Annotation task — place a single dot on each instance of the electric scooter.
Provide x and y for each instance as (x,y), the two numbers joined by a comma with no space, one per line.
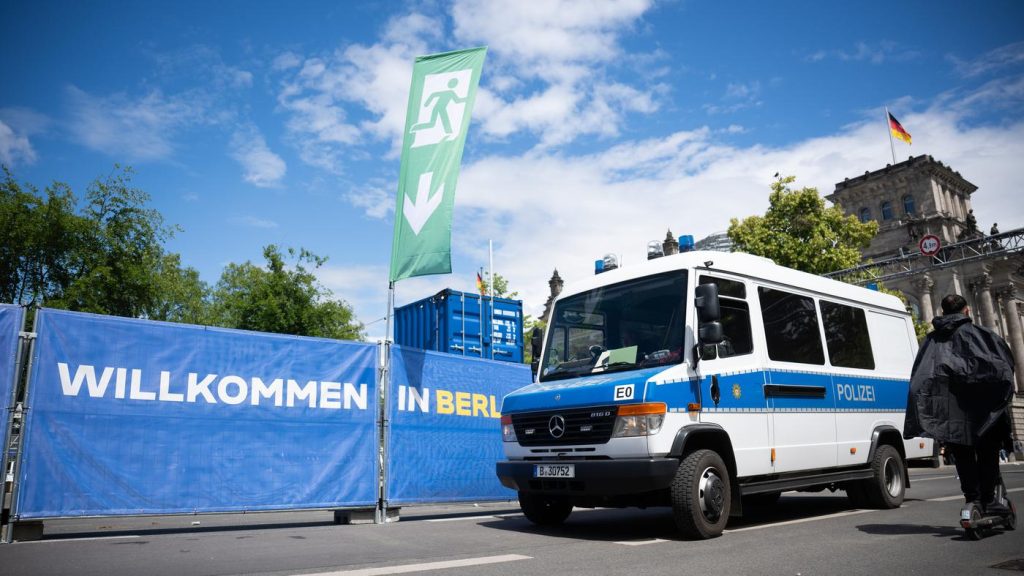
(977,523)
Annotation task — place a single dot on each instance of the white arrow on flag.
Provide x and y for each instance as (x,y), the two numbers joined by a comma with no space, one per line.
(419,211)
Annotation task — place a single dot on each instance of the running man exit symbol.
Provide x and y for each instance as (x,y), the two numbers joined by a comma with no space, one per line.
(442,107)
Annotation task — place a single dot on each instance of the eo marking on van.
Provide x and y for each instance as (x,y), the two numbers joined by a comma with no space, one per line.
(706,379)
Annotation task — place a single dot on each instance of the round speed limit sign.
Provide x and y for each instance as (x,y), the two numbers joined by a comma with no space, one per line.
(929,245)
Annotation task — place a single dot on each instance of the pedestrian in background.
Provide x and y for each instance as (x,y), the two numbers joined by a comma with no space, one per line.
(961,386)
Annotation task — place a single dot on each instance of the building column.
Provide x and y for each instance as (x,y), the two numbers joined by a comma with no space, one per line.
(924,287)
(988,311)
(1015,335)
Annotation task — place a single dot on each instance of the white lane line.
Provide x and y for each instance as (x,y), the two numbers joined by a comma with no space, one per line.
(801,520)
(80,539)
(915,480)
(961,496)
(641,542)
(408,568)
(457,519)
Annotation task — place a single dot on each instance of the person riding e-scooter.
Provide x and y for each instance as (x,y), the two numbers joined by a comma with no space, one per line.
(961,386)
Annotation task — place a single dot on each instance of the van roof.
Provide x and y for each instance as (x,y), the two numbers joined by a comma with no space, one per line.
(739,263)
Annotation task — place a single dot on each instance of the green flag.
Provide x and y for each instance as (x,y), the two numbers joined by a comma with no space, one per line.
(440,101)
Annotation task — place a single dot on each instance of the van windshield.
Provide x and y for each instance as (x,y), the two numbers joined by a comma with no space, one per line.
(626,326)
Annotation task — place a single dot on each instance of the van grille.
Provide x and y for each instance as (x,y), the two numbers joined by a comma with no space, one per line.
(578,426)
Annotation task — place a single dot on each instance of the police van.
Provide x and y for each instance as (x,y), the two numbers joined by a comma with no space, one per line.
(708,380)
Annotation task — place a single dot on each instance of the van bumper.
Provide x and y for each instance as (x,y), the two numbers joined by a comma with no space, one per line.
(592,477)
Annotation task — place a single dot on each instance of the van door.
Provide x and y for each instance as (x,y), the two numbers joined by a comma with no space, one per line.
(735,366)
(798,386)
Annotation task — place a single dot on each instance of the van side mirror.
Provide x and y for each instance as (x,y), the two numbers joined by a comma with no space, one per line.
(536,342)
(710,332)
(706,300)
(709,329)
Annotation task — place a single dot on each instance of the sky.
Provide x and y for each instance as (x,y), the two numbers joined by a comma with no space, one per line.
(598,125)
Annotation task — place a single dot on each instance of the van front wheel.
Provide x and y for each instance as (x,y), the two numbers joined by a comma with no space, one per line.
(544,510)
(701,495)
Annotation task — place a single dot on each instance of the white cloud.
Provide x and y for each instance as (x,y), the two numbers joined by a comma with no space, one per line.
(254,222)
(994,60)
(261,166)
(133,127)
(551,86)
(554,86)
(874,53)
(376,199)
(14,147)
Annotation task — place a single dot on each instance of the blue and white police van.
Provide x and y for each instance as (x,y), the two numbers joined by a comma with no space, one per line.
(708,380)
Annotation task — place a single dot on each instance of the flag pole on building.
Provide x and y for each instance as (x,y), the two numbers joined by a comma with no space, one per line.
(895,129)
(888,129)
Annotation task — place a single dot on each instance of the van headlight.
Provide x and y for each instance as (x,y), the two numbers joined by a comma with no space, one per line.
(508,431)
(639,420)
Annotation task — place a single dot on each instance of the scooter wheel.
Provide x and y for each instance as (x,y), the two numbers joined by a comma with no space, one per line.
(972,533)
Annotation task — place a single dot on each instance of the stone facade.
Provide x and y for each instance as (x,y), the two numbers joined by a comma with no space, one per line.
(923,196)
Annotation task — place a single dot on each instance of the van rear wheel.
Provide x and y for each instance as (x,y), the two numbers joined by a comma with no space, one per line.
(701,495)
(544,509)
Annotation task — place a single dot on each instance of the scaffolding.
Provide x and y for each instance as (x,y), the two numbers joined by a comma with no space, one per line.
(1004,245)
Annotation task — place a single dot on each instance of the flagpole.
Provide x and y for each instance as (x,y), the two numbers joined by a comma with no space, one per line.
(888,130)
(481,301)
(381,513)
(491,326)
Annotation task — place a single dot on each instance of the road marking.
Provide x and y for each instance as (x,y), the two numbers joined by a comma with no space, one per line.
(960,496)
(641,542)
(802,520)
(456,519)
(931,478)
(408,568)
(56,540)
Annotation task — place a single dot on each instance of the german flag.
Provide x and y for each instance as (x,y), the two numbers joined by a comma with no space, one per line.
(480,284)
(897,129)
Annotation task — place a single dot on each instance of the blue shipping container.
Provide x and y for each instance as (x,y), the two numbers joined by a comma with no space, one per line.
(450,321)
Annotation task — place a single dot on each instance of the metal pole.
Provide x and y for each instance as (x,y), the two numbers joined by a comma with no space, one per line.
(462,301)
(490,324)
(380,515)
(888,129)
(9,421)
(31,337)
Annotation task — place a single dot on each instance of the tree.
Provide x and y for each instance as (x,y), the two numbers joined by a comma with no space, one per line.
(108,259)
(282,299)
(798,231)
(529,323)
(500,286)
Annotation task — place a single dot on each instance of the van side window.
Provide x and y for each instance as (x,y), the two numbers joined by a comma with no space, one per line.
(846,335)
(735,316)
(791,327)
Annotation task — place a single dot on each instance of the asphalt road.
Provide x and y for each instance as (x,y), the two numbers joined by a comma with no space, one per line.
(803,534)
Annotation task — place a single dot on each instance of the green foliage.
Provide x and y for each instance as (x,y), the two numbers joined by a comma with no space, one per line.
(529,323)
(108,259)
(500,286)
(798,231)
(282,299)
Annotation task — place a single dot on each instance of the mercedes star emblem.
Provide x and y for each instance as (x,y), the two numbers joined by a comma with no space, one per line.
(556,425)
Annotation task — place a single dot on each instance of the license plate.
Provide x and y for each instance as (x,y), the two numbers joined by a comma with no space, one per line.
(554,471)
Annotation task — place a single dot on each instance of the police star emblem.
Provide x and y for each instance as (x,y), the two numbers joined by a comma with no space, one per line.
(736,391)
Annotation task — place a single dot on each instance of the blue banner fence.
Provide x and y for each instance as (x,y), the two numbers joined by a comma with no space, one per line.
(445,426)
(134,417)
